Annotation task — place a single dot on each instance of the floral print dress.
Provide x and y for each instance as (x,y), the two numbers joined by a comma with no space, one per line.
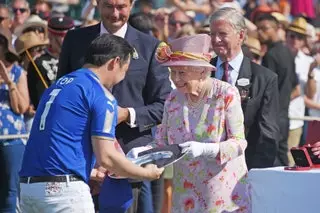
(10,122)
(208,185)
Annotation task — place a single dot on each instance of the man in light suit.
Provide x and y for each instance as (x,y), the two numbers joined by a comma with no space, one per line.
(142,93)
(257,86)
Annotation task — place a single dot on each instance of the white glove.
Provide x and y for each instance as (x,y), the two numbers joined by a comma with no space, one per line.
(133,153)
(196,149)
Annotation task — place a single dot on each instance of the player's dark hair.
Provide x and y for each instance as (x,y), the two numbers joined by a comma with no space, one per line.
(107,47)
(267,17)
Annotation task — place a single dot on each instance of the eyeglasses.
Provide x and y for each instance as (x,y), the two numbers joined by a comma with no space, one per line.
(21,10)
(34,29)
(296,36)
(174,23)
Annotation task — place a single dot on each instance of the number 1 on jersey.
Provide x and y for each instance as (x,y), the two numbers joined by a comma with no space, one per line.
(44,115)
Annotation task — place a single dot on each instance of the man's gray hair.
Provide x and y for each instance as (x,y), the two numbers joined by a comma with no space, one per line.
(230,15)
(26,3)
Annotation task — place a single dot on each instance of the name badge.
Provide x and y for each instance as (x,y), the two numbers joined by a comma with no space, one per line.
(243,82)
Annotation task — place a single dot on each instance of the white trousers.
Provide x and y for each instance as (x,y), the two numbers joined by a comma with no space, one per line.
(52,197)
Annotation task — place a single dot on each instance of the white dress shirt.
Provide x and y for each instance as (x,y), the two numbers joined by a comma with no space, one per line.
(121,33)
(297,106)
(233,71)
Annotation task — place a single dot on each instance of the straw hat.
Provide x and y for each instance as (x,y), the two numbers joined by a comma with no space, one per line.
(5,33)
(281,18)
(311,32)
(27,41)
(32,21)
(186,51)
(254,45)
(299,25)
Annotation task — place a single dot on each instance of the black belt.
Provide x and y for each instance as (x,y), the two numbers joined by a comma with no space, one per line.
(40,179)
(136,185)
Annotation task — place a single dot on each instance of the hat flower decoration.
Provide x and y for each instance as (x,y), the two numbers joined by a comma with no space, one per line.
(186,51)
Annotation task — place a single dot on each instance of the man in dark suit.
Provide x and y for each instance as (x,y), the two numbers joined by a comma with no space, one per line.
(256,84)
(280,60)
(142,93)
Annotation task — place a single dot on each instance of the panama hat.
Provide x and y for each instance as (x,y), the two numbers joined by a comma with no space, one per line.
(28,40)
(186,51)
(298,25)
(254,45)
(281,18)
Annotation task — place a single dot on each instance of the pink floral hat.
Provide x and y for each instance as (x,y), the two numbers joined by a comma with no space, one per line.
(186,51)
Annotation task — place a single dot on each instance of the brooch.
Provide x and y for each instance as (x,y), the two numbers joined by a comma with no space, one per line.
(135,54)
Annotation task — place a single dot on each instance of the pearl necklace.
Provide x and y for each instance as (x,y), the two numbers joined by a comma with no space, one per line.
(206,87)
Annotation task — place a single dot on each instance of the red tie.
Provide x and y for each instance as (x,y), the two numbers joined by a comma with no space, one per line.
(225,71)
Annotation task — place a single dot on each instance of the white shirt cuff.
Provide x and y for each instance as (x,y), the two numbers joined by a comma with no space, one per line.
(132,114)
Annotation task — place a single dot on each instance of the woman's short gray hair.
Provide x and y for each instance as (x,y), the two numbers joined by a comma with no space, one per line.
(230,15)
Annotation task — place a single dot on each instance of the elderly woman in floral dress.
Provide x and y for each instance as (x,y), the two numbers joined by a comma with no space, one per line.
(203,115)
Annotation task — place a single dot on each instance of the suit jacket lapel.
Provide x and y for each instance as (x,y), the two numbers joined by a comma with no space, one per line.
(246,92)
(245,75)
(131,36)
(214,63)
(94,32)
(245,70)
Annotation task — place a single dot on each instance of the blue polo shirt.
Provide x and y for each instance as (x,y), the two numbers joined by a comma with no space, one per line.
(71,111)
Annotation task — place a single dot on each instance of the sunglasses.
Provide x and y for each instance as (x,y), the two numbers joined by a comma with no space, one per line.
(296,36)
(21,10)
(174,23)
(34,29)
